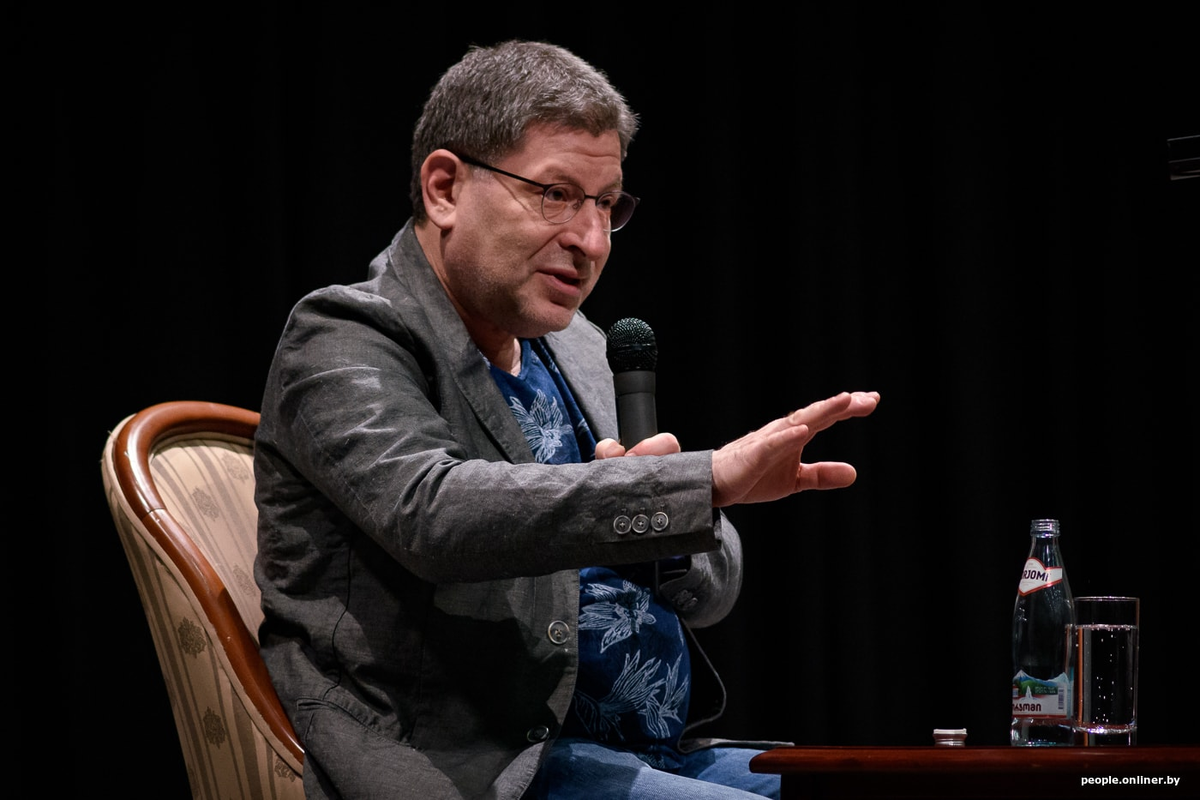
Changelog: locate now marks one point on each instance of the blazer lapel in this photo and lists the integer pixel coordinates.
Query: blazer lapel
(463, 359)
(587, 374)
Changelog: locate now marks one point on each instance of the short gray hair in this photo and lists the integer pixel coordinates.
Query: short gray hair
(482, 106)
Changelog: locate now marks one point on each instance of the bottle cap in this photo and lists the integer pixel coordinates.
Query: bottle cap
(950, 737)
(1045, 527)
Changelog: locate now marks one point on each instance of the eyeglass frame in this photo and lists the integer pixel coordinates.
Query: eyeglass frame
(546, 187)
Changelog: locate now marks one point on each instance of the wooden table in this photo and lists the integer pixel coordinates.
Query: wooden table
(987, 772)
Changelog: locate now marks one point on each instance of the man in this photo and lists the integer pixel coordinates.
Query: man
(468, 590)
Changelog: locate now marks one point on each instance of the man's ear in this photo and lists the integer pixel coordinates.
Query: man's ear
(441, 175)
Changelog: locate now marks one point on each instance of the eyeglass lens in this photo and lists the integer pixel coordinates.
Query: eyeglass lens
(561, 201)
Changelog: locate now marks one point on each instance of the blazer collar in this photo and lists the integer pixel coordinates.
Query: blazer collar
(590, 382)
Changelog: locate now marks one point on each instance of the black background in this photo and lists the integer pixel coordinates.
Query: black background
(967, 210)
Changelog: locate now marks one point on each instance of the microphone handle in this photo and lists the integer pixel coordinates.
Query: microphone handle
(637, 419)
(637, 415)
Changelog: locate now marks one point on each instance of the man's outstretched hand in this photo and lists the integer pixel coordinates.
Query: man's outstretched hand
(765, 465)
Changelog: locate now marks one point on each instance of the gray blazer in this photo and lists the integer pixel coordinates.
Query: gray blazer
(419, 570)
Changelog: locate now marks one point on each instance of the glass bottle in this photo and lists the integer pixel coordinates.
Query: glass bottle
(1041, 644)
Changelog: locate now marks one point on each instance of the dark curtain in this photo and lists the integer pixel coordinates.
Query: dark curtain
(965, 208)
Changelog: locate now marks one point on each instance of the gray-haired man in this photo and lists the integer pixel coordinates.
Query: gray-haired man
(457, 563)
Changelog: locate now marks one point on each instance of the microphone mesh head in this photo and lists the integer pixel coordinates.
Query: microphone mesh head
(631, 346)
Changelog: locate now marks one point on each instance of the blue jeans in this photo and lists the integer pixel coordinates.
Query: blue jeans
(578, 768)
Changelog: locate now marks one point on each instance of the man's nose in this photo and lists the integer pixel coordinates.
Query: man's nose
(590, 230)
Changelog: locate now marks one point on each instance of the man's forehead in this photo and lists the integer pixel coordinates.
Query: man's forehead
(549, 138)
(561, 153)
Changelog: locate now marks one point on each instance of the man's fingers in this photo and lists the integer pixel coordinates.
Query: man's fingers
(766, 465)
(823, 413)
(660, 444)
(609, 448)
(825, 475)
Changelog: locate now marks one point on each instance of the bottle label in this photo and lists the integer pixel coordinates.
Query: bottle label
(1032, 697)
(1038, 576)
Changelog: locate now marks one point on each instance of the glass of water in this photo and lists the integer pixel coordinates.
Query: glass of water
(1106, 670)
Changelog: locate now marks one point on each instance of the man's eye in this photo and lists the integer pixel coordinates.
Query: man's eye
(559, 194)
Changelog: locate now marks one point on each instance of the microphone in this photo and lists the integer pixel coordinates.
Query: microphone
(633, 355)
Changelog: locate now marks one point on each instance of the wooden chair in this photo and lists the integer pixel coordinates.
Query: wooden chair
(180, 484)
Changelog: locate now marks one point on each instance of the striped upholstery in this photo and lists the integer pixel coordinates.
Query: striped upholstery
(180, 484)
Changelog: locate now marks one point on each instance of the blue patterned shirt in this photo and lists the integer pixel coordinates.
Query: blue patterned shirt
(634, 672)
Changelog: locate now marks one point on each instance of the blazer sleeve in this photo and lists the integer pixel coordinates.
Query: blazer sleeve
(708, 589)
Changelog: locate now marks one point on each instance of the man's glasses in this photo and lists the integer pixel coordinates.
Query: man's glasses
(561, 201)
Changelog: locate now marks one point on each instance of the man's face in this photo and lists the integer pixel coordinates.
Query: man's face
(508, 270)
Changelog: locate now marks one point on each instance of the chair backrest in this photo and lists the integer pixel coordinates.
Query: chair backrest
(180, 482)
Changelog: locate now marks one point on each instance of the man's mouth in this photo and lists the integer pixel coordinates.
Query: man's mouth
(567, 278)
